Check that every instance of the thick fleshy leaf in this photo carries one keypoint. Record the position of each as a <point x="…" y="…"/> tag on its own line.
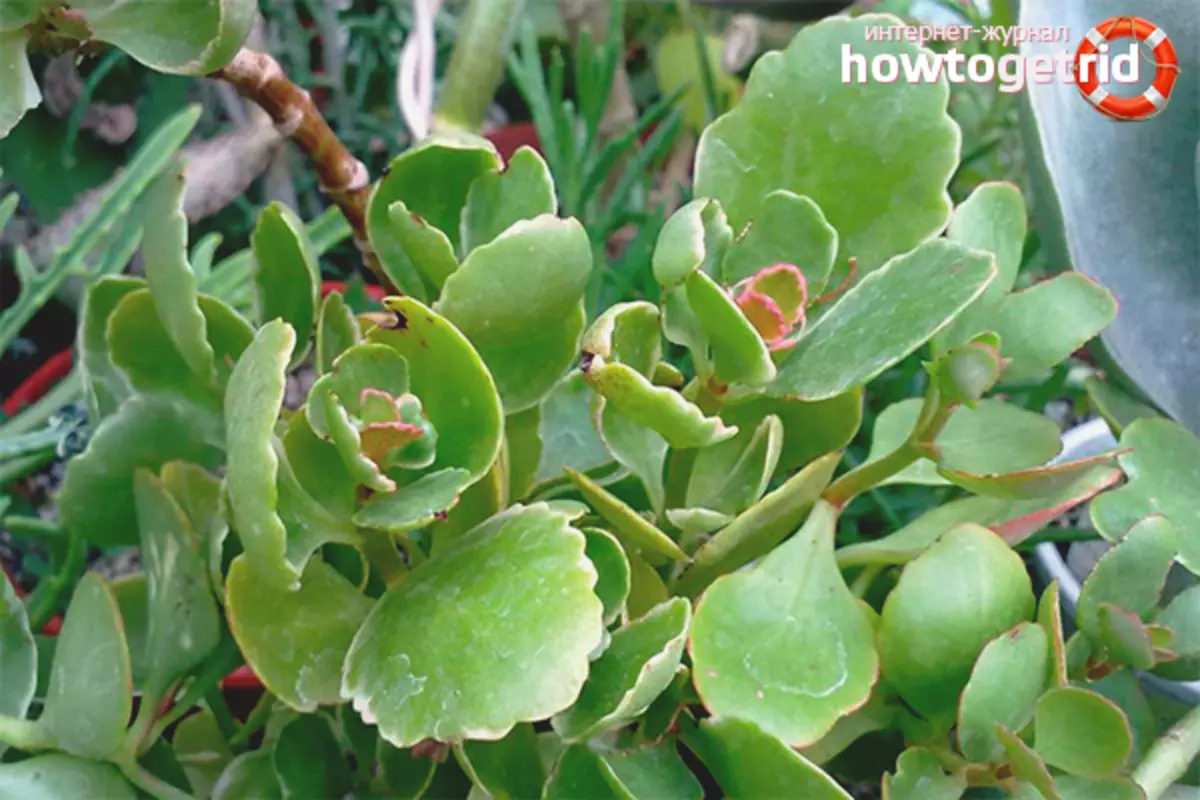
<point x="646" y="587"/>
<point x="991" y="438"/>
<point x="287" y="277"/>
<point x="415" y="505"/>
<point x="318" y="468"/>
<point x="432" y="180"/>
<point x="637" y="448"/>
<point x="456" y="391"/>
<point x="919" y="776"/>
<point x="1115" y="404"/>
<point x="508" y="769"/>
<point x="1049" y="616"/>
<point x="1163" y="465"/>
<point x="251" y="774"/>
<point x="96" y="501"/>
<point x="800" y="127"/>
<point x="635" y="668"/>
<point x="91" y="690"/>
<point x="993" y="219"/>
<point x="627" y="333"/>
<point x="785" y="229"/>
<point x="785" y="644"/>
<point x="512" y="293"/>
<point x="569" y="438"/>
<point x="641" y="774"/>
<point x="522" y="595"/>
<point x="962" y="592"/>
<point x="295" y="640"/>
<point x="1030" y="483"/>
<point x="738" y="352"/>
<point x="57" y="775"/>
<point x="309" y="761"/>
<point x="1004" y="688"/>
<point x="106" y="386"/>
<point x="663" y="410"/>
<point x="748" y="763"/>
<point x="1182" y="616"/>
<point x="172" y="282"/>
<point x="612" y="571"/>
<point x="635" y="531"/>
<point x="1071" y="787"/>
<point x="184" y="625"/>
<point x="1131" y="575"/>
<point x="1041" y="326"/>
<point x="696" y="237"/>
<point x="337" y="331"/>
<point x="810" y="430"/>
<point x="252" y="405"/>
<point x="18" y="655"/>
<point x="21" y="91"/>
<point x="1027" y="766"/>
<point x="141" y="347"/>
<point x="497" y="200"/>
<point x="201" y="750"/>
<point x="1081" y="732"/>
<point x="426" y="247"/>
<point x="758" y="529"/>
<point x="883" y="318"/>
<point x="406" y="776"/>
<point x="731" y="476"/>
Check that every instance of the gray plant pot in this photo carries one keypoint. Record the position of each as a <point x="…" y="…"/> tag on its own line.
<point x="1090" y="439"/>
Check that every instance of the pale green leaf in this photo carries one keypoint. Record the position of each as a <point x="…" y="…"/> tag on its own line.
<point x="1131" y="575"/>
<point x="176" y="36"/>
<point x="337" y="331"/>
<point x="696" y="237"/>
<point x="738" y="352"/>
<point x="57" y="775"/>
<point x="426" y="247"/>
<point x="21" y="91"/>
<point x="785" y="229"/>
<point x="920" y="776"/>
<point x="635" y="531"/>
<point x="731" y="476"/>
<point x="1005" y="685"/>
<point x="497" y="200"/>
<point x="415" y="505"/>
<point x="287" y="277"/>
<point x="18" y="655"/>
<point x="1081" y="732"/>
<point x="106" y="386"/>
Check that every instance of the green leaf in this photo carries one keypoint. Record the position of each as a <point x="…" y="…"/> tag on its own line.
<point x="1118" y="407"/>
<point x="1004" y="688"/>
<point x="21" y="91"/>
<point x="785" y="644"/>
<point x="287" y="277"/>
<point x="317" y="621"/>
<point x="1027" y="765"/>
<point x="96" y="501"/>
<point x="133" y="599"/>
<point x="57" y="775"/>
<point x="337" y="331"/>
<point x="177" y="36"/>
<point x="308" y="759"/>
<point x="627" y="333"/>
<point x="991" y="438"/>
<point x="1073" y="788"/>
<point x="172" y="282"/>
<point x="140" y="345"/>
<point x="758" y="529"/>
<point x="318" y="468"/>
<point x="883" y="318"/>
<point x="1163" y="465"/>
<point x="800" y="127"/>
<point x="184" y="625"/>
<point x="1182" y="616"/>
<point x="646" y="587"/>
<point x="663" y="410"/>
<point x="497" y="200"/>
<point x="517" y="299"/>
<point x="993" y="219"/>
<point x="456" y="391"/>
<point x="654" y="772"/>
<point x="635" y="668"/>
<point x="432" y="180"/>
<point x="1049" y="616"/>
<point x="637" y="448"/>
<point x="201" y="750"/>
<point x="1131" y="575"/>
<point x="919" y="776"/>
<point x="18" y="655"/>
<point x="251" y="774"/>
<point x="748" y="763"/>
<point x="91" y="690"/>
<point x="522" y="596"/>
<point x="739" y="354"/>
<point x="1041" y="326"/>
<point x="252" y="405"/>
<point x="106" y="386"/>
<point x="810" y="430"/>
<point x="426" y="247"/>
<point x="696" y="237"/>
<point x="635" y="531"/>
<point x="785" y="229"/>
<point x="569" y="438"/>
<point x="731" y="476"/>
<point x="508" y="769"/>
<point x="612" y="571"/>
<point x="1081" y="732"/>
<point x="1123" y="639"/>
<point x="406" y="775"/>
<point x="1029" y="483"/>
<point x="950" y="602"/>
<point x="416" y="505"/>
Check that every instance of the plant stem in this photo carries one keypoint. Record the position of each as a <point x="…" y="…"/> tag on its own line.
<point x="215" y="667"/>
<point x="258" y="718"/>
<point x="862" y="583"/>
<point x="46" y="597"/>
<point x="477" y="64"/>
<point x="148" y="783"/>
<point x="23" y="734"/>
<point x="1170" y="757"/>
<point x="258" y="77"/>
<point x="220" y="711"/>
<point x="384" y="556"/>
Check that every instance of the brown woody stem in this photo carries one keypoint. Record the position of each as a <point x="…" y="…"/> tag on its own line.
<point x="344" y="179"/>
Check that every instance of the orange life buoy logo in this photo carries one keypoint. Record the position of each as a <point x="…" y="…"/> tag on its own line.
<point x="1090" y="58"/>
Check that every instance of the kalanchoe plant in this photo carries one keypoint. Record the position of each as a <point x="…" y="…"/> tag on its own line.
<point x="501" y="545"/>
